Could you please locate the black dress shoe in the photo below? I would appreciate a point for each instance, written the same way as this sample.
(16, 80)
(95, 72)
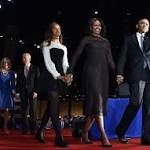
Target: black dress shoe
(145, 141)
(123, 139)
(59, 141)
(40, 137)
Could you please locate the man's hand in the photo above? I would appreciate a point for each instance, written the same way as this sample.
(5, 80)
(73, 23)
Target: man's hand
(34, 95)
(119, 79)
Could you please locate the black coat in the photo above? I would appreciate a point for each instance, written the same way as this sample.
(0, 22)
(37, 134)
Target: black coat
(29, 84)
(131, 61)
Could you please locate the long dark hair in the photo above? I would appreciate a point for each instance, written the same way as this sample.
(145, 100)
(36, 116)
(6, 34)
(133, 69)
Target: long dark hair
(90, 24)
(48, 34)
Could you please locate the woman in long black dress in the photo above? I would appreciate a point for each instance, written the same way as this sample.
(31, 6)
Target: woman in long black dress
(95, 76)
(52, 80)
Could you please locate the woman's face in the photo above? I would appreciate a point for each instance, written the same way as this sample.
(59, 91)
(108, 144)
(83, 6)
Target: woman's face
(96, 28)
(56, 31)
(5, 65)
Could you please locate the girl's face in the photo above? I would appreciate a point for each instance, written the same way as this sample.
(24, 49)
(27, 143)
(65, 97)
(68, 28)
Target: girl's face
(6, 66)
(96, 27)
(56, 31)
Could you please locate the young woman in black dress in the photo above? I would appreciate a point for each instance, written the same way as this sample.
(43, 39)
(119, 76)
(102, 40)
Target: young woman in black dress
(52, 80)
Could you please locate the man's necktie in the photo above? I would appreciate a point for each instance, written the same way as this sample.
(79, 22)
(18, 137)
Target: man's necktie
(142, 42)
(26, 71)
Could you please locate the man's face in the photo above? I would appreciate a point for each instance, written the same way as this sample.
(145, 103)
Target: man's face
(143, 26)
(26, 59)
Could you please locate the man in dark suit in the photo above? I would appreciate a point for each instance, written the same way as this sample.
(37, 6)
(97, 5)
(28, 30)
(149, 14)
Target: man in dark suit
(27, 80)
(134, 65)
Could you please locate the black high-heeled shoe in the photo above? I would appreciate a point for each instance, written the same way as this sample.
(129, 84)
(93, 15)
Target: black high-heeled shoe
(40, 137)
(85, 140)
(59, 141)
(105, 144)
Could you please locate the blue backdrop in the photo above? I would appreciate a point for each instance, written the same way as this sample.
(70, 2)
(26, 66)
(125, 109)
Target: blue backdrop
(116, 107)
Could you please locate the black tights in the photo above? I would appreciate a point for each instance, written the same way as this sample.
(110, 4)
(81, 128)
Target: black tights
(53, 112)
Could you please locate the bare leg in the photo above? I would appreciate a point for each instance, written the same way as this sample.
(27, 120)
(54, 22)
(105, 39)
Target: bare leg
(88, 124)
(104, 139)
(6, 116)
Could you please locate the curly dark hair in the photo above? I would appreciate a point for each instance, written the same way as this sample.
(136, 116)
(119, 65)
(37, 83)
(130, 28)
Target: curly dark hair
(90, 24)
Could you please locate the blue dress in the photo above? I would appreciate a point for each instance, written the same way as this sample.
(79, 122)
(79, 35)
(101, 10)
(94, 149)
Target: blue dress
(7, 84)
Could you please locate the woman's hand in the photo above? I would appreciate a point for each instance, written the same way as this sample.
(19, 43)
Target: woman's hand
(14, 92)
(119, 79)
(68, 79)
(61, 78)
(34, 95)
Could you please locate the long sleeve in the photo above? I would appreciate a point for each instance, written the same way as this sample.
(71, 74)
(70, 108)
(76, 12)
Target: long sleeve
(18, 82)
(13, 81)
(110, 59)
(65, 60)
(77, 55)
(122, 59)
(50, 66)
(36, 82)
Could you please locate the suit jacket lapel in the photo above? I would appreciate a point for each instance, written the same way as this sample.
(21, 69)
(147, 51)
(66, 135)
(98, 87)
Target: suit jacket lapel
(30, 70)
(135, 40)
(22, 72)
(146, 44)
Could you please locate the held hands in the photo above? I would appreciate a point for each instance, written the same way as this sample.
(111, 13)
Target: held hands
(13, 92)
(17, 95)
(34, 95)
(67, 78)
(119, 79)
